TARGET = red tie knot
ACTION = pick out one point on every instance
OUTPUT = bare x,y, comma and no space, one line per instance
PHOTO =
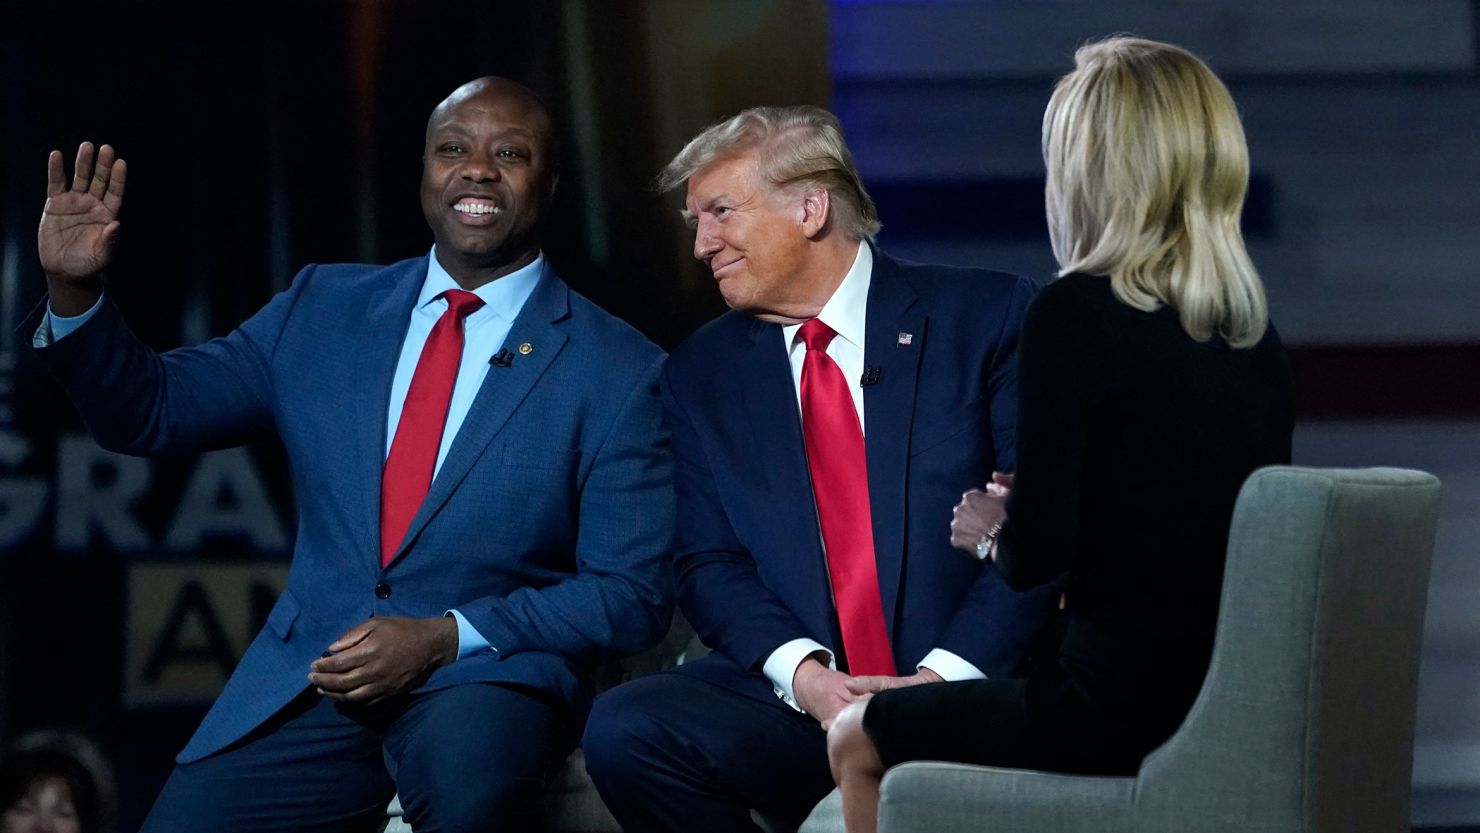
461,302
817,335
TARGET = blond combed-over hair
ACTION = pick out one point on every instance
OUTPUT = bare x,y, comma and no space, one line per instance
797,147
1147,173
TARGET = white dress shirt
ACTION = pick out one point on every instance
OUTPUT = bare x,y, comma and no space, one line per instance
846,312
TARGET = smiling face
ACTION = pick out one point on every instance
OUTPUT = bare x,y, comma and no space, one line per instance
486,179
752,236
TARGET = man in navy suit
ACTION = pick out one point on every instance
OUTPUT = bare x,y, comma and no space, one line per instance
816,565
484,485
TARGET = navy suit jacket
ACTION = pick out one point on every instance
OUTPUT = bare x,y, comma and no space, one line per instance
549,525
749,563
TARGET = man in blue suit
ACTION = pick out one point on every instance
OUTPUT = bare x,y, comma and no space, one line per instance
817,566
484,485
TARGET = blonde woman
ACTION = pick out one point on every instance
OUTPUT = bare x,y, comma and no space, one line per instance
1151,384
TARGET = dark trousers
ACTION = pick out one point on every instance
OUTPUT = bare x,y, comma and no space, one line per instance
669,752
465,758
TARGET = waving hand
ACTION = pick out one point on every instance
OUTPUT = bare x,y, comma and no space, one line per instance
79,223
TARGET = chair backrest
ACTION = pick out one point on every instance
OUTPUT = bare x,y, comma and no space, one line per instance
1305,721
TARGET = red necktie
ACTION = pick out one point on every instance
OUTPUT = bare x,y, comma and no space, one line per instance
835,454
408,469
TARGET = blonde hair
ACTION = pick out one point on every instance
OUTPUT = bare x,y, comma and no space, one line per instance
796,146
1147,172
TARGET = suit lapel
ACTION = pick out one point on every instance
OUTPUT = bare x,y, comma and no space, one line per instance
761,383
503,389
893,318
388,310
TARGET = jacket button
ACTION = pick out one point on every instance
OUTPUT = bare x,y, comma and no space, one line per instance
382,590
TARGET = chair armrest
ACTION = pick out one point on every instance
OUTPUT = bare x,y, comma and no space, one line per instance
930,797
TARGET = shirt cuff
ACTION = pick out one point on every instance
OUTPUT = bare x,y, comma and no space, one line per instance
469,641
781,666
950,667
61,326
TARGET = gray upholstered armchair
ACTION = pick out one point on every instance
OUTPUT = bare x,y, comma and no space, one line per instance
1305,721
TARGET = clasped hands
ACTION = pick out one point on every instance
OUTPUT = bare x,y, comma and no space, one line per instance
384,656
979,511
823,692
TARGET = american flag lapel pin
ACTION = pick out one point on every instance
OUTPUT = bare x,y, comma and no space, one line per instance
906,338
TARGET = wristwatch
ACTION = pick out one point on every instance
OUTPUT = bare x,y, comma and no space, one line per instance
986,546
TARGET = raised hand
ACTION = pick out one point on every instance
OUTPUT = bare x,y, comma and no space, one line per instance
79,224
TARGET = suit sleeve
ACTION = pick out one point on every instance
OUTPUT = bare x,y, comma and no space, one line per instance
1001,377
719,587
135,401
620,599
995,626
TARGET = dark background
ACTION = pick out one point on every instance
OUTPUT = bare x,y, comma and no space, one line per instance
262,137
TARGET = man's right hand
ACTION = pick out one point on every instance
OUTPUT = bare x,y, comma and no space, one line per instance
79,226
821,691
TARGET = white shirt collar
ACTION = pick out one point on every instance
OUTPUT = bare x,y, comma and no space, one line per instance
504,297
847,310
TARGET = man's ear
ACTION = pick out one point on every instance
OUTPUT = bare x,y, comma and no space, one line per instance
816,210
554,180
